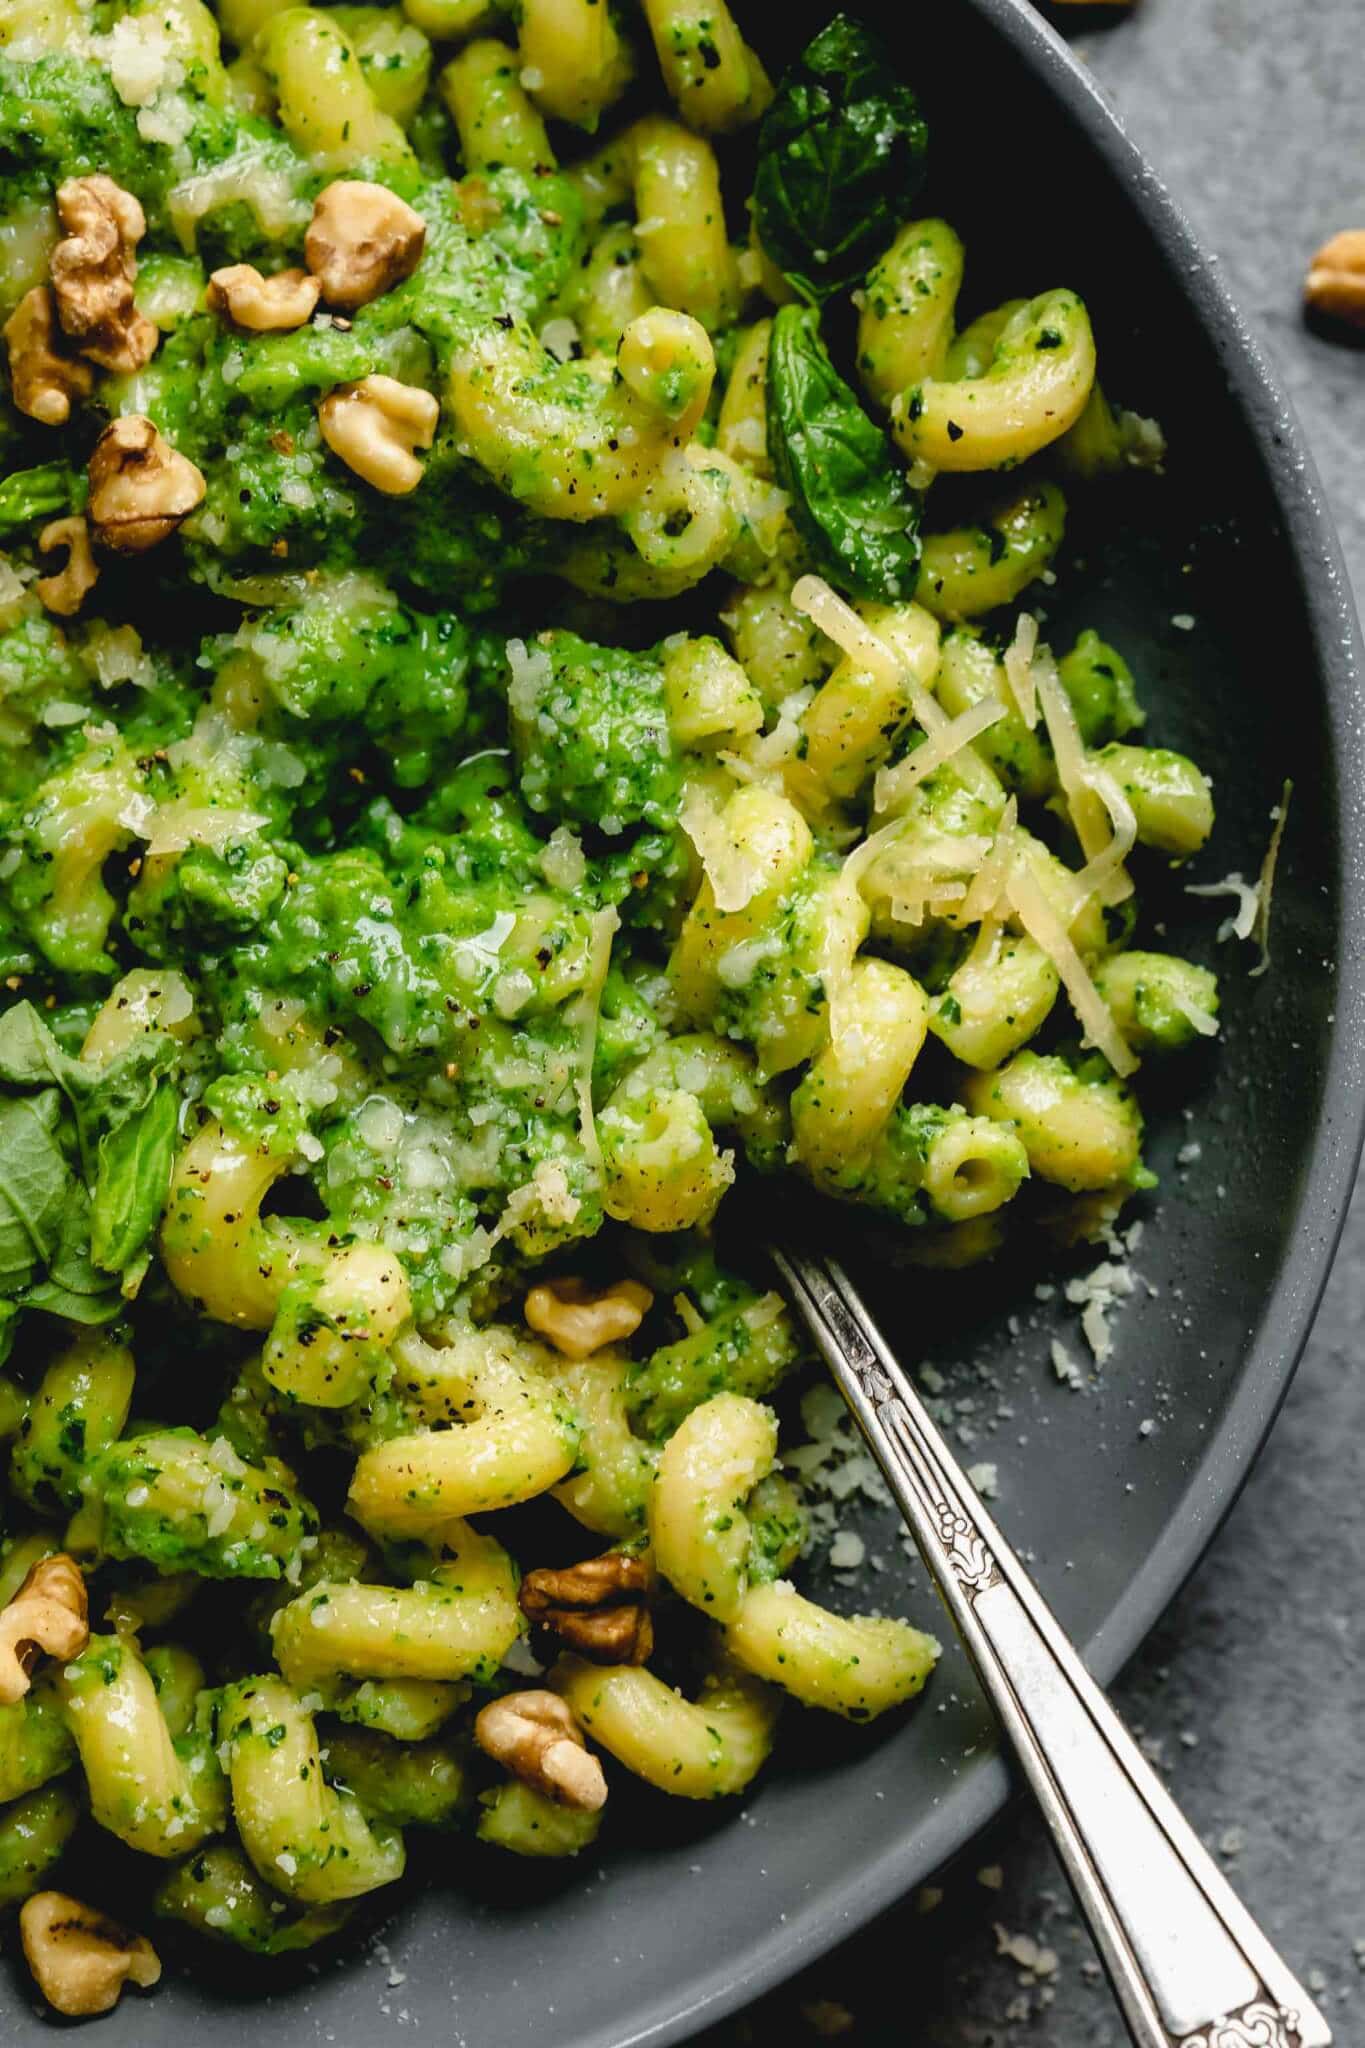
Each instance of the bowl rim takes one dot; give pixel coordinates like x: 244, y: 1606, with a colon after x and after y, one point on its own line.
x: 1273, y: 1356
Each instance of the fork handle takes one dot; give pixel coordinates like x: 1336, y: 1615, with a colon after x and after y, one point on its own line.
x: 1189, y: 1966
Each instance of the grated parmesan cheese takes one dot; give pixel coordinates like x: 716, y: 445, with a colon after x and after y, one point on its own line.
x: 894, y: 784
x: 854, y: 637
x: 1019, y: 675
x: 1046, y: 929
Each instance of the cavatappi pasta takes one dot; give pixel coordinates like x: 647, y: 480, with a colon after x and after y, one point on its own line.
x: 410, y: 938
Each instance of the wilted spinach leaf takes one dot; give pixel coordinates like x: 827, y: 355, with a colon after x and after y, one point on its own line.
x: 849, y: 498
x: 840, y: 161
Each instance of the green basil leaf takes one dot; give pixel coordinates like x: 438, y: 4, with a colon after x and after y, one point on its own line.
x: 91, y: 1310
x: 849, y: 497
x: 132, y: 1181
x: 35, y: 1184
x: 30, y: 1056
x: 32, y: 494
x: 840, y: 161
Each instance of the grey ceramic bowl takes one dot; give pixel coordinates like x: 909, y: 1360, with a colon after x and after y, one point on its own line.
x: 686, y: 1913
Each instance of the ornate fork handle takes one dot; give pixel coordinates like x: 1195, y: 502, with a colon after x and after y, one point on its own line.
x: 1189, y: 1966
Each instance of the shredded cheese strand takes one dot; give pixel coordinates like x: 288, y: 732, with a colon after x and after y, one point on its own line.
x: 1046, y: 929
x: 855, y: 638
x: 983, y: 897
x: 894, y: 784
x: 1242, y: 923
x: 1023, y: 684
x: 1072, y: 767
x: 1098, y: 809
x: 1103, y: 876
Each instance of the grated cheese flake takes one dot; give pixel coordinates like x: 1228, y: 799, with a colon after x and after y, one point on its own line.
x: 1019, y: 675
x: 893, y: 784
x: 1046, y: 929
x: 1242, y: 922
x: 861, y: 643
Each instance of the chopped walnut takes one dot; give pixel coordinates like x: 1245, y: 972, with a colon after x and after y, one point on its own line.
x: 265, y: 305
x: 1335, y: 284
x: 49, y: 1613
x: 579, y: 1319
x: 66, y: 590
x: 362, y: 240
x: 536, y: 1736
x: 80, y: 1960
x: 43, y: 381
x: 93, y: 272
x: 140, y: 487
x: 597, y: 1607
x: 375, y: 425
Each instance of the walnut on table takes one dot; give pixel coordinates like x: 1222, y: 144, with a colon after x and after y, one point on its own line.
x: 1335, y: 284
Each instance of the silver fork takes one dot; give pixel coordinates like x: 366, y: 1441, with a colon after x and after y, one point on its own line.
x: 1189, y: 1966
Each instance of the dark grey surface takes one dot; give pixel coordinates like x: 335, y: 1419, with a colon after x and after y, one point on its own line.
x: 1249, y: 1694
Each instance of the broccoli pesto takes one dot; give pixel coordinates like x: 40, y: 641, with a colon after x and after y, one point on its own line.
x: 507, y: 747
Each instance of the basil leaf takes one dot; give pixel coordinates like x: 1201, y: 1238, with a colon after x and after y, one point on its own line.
x: 840, y: 161
x: 849, y: 498
x: 35, y: 1182
x: 32, y: 494
x: 92, y: 1310
x: 133, y: 1177
x: 30, y: 1056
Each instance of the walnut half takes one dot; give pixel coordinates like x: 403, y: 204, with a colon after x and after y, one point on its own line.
x: 66, y: 590
x: 1335, y: 285
x: 140, y: 487
x: 80, y: 1960
x: 597, y: 1607
x: 361, y: 242
x: 535, y: 1735
x: 579, y: 1320
x: 49, y: 1613
x: 375, y: 426
x: 43, y: 381
x: 93, y: 272
x: 264, y: 305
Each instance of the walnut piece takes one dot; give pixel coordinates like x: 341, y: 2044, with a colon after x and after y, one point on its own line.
x: 361, y: 242
x: 140, y: 487
x: 375, y: 425
x: 597, y: 1607
x: 93, y: 272
x: 265, y: 305
x: 535, y: 1735
x: 579, y: 1320
x: 43, y: 380
x: 1335, y: 285
x: 80, y: 1960
x: 66, y: 590
x: 49, y: 1613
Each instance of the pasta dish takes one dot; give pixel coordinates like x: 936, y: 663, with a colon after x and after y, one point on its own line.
x: 524, y: 705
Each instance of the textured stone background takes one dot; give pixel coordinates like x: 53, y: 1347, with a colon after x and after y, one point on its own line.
x: 1249, y: 1695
